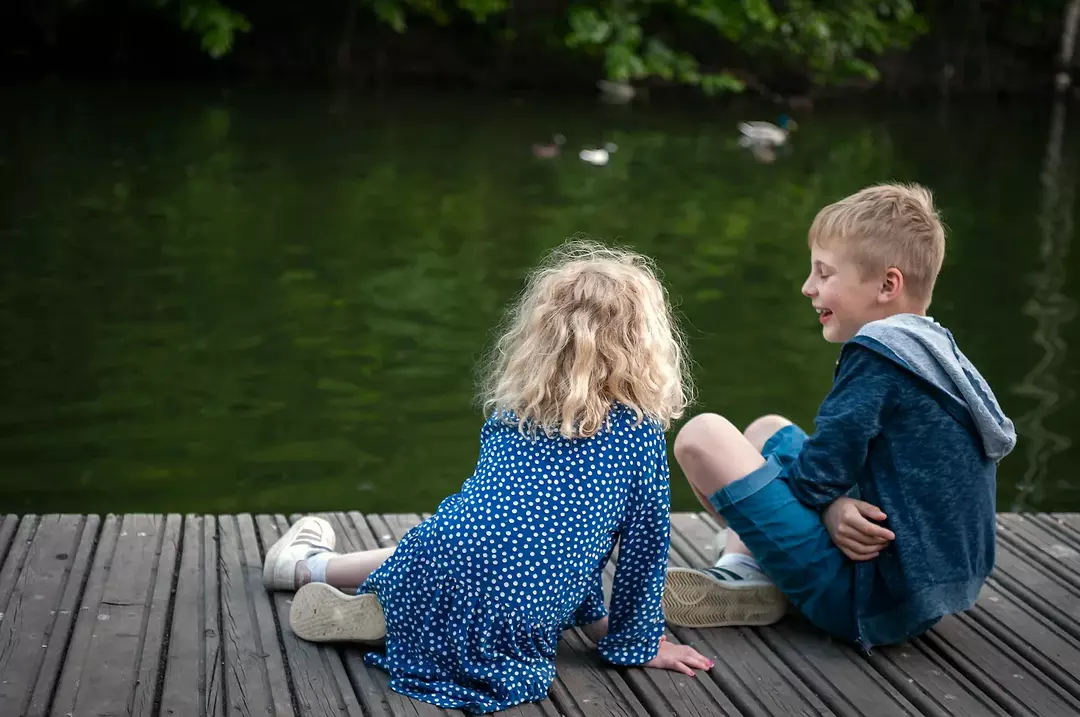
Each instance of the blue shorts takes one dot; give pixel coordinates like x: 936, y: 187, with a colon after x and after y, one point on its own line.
x: 790, y: 540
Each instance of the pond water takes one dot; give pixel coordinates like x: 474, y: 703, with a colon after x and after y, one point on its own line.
x: 274, y: 300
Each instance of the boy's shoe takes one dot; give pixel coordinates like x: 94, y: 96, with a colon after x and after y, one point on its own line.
x: 306, y: 537
x: 719, y: 597
x: 321, y: 613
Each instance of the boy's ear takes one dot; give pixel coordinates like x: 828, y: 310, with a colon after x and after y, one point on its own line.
x: 892, y: 285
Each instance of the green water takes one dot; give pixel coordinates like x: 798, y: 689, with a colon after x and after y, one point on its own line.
x: 274, y: 300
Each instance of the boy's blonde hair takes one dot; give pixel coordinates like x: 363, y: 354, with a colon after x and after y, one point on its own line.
x: 887, y: 225
x: 592, y: 326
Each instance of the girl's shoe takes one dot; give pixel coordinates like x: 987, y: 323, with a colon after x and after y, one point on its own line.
x: 718, y: 597
x: 305, y: 538
x: 321, y: 613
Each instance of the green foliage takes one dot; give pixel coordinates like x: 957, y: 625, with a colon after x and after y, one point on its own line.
x: 215, y: 24
x: 830, y: 40
x: 394, y: 12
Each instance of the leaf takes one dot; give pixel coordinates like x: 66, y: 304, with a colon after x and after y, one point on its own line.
x: 713, y: 84
x: 391, y: 13
x: 587, y: 27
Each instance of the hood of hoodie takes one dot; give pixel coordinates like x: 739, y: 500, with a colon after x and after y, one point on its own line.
x: 927, y: 349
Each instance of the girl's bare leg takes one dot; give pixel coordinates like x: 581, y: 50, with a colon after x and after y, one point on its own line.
x: 347, y: 572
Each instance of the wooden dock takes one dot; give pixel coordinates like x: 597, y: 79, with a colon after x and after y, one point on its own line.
x: 155, y: 615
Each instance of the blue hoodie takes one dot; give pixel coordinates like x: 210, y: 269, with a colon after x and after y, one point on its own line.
x: 915, y: 429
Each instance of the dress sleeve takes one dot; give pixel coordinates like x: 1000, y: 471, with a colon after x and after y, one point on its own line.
x: 637, y: 618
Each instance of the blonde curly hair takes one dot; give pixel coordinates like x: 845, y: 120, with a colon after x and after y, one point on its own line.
x: 592, y: 327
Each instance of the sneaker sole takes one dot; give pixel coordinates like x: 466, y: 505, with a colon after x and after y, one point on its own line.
x: 320, y: 613
x: 692, y: 599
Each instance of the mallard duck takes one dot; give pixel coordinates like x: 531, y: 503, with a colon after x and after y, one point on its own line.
x: 766, y: 133
x: 598, y: 157
x: 616, y: 93
x: 548, y: 151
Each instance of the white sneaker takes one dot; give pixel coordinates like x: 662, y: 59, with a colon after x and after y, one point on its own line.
x: 719, y: 597
x: 306, y: 537
x: 321, y: 613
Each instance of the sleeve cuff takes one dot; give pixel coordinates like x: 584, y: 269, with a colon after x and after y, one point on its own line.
x: 629, y: 650
x: 589, y: 615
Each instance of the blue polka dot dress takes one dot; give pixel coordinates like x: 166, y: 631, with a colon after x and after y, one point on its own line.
x: 477, y: 595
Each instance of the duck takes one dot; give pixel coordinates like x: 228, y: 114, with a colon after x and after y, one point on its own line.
x: 598, y: 157
x: 616, y: 93
x: 549, y: 151
x: 767, y: 133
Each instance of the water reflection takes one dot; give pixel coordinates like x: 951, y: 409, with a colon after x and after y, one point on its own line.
x: 275, y: 302
x: 1051, y: 309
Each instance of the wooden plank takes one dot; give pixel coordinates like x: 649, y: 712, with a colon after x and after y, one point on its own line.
x: 8, y: 525
x: 155, y: 618
x: 16, y: 558
x: 1070, y: 521
x: 751, y: 674
x: 78, y: 572
x: 1017, y: 652
x: 1048, y: 544
x: 193, y: 674
x: 39, y: 611
x: 1065, y: 526
x: 1011, y: 680
x: 836, y: 673
x: 666, y: 692
x: 1022, y: 631
x: 1008, y: 648
x: 24, y: 617
x: 256, y: 682
x: 115, y: 653
x: 319, y: 679
x: 592, y: 686
x: 1040, y: 589
x: 930, y: 683
x: 963, y: 689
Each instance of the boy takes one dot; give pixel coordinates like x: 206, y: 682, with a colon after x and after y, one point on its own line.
x: 909, y: 424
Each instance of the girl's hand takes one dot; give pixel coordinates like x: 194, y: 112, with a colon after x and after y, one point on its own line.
x: 679, y: 658
x: 850, y: 527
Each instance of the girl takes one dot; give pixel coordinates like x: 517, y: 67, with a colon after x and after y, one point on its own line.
x: 580, y: 388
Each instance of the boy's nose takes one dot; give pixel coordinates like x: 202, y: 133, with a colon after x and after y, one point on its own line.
x: 808, y: 289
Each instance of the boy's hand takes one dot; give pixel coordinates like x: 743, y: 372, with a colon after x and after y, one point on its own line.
x: 848, y: 522
x: 679, y: 658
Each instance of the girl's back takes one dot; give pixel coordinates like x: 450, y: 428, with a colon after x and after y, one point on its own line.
x: 541, y: 513
x: 476, y: 596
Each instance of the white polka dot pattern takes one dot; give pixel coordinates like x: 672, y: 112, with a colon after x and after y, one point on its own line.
x: 477, y: 595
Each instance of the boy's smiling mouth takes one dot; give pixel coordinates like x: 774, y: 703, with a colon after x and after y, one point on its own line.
x: 823, y: 314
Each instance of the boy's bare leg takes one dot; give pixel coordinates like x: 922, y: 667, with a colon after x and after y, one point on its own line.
x: 713, y: 454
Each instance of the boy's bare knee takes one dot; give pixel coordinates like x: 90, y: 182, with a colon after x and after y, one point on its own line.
x: 701, y: 434
x: 760, y: 429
